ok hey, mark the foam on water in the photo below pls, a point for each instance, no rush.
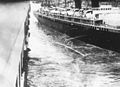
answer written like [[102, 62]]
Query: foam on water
[[54, 65]]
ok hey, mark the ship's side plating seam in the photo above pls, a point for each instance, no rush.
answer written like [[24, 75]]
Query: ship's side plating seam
[[11, 43]]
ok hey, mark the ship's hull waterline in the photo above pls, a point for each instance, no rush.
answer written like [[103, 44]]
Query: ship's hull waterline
[[74, 29]]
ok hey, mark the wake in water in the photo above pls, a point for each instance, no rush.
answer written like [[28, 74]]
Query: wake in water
[[56, 60]]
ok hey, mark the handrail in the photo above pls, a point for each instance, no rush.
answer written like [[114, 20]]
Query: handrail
[[83, 21]]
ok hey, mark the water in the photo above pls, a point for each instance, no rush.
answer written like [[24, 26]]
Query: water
[[57, 60]]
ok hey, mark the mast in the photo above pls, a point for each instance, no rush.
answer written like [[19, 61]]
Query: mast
[[48, 4], [58, 3], [95, 3], [78, 4], [65, 3]]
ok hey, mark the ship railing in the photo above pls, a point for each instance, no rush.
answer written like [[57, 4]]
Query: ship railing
[[96, 24], [81, 20], [98, 9], [74, 19]]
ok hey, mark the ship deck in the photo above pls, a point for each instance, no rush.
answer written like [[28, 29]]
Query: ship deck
[[80, 22]]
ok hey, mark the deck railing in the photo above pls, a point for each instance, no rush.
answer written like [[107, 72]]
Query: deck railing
[[96, 24], [76, 19]]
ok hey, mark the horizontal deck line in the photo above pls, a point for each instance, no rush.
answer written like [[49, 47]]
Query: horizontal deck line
[[102, 28]]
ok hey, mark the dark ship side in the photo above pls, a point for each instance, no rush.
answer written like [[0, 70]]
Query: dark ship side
[[96, 22]]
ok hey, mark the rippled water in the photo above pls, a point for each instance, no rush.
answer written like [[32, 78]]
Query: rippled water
[[57, 60]]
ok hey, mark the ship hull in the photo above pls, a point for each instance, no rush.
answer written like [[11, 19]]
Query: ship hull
[[105, 39], [61, 26], [108, 39], [73, 29], [12, 43]]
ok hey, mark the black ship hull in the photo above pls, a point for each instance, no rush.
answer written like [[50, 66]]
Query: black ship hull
[[102, 38]]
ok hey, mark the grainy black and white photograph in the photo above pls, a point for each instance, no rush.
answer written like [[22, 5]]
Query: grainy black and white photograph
[[59, 43]]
